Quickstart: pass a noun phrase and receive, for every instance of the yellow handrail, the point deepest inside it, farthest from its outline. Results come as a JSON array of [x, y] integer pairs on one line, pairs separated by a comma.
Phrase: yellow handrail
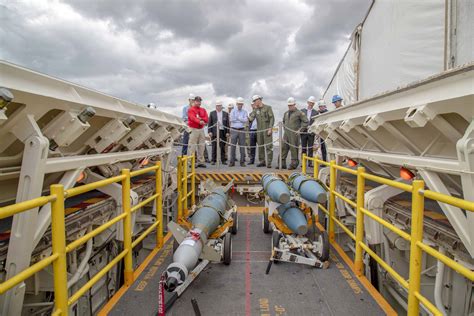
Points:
[[92, 186], [183, 177], [13, 209], [58, 232], [144, 202], [415, 237], [80, 241]]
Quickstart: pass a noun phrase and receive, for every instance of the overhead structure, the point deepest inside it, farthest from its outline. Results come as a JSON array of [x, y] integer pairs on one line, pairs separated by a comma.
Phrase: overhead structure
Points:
[[54, 131], [408, 116], [410, 53]]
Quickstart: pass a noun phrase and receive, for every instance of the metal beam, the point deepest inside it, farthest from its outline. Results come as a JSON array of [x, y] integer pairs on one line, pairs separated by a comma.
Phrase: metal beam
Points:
[[37, 90], [448, 85], [455, 215], [23, 227], [74, 162], [434, 164], [371, 138], [402, 138]]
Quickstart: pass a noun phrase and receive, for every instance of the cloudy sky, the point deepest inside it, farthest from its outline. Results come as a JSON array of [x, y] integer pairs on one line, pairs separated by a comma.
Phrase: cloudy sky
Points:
[[161, 50]]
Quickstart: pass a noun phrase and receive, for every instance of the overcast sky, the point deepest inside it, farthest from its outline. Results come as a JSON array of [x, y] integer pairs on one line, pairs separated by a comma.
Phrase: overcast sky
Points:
[[160, 51]]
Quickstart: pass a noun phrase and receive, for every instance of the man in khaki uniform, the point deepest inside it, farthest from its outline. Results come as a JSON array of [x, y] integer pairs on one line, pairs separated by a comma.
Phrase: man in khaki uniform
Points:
[[264, 115], [293, 120]]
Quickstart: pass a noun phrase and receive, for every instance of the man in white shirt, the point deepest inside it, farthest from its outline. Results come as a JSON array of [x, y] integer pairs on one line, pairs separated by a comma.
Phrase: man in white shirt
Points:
[[238, 119]]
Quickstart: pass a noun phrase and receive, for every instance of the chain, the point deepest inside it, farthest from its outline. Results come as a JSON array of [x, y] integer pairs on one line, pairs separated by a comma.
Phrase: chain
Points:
[[248, 146], [252, 131]]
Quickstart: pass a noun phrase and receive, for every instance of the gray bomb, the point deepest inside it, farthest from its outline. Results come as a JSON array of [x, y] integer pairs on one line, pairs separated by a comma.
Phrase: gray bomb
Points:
[[275, 188], [204, 222], [308, 188]]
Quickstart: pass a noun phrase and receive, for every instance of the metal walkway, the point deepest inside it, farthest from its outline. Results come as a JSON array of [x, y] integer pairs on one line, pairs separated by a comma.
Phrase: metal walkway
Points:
[[243, 288]]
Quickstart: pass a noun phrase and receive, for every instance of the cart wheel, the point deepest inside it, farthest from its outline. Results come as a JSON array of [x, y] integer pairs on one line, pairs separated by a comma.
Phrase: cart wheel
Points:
[[324, 240], [265, 223], [227, 248], [175, 245], [235, 225]]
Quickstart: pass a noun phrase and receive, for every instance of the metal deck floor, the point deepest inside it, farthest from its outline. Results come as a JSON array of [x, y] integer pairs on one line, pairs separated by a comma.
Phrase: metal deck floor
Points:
[[243, 288]]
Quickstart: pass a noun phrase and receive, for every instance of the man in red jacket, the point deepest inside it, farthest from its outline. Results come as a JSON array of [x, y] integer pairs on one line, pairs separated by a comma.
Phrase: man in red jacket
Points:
[[197, 119]]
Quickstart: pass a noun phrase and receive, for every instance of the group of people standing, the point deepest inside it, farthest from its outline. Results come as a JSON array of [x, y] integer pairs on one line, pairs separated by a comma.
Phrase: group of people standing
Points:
[[236, 128]]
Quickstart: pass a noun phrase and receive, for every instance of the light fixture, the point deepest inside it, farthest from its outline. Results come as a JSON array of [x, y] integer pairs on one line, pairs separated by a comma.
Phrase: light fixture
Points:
[[81, 177], [145, 161], [406, 174], [351, 163]]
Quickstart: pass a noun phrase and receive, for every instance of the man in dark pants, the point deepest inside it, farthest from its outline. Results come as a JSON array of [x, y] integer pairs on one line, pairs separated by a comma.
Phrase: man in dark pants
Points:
[[307, 139], [253, 139], [322, 109], [222, 118], [184, 150]]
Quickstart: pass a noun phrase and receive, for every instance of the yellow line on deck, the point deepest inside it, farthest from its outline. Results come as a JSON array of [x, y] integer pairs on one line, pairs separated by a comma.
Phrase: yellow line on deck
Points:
[[118, 295]]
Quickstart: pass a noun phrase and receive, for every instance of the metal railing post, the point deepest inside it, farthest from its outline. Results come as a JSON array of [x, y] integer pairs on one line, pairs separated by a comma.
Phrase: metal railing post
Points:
[[185, 187], [280, 142], [58, 234], [303, 166], [159, 205], [127, 228], [332, 199], [315, 168], [416, 253], [180, 189], [218, 145], [358, 262], [193, 179]]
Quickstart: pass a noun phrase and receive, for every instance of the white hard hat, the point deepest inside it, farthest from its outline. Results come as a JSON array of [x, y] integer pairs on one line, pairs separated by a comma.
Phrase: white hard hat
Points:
[[191, 96], [291, 101], [321, 102], [256, 97], [312, 99], [240, 100], [218, 102]]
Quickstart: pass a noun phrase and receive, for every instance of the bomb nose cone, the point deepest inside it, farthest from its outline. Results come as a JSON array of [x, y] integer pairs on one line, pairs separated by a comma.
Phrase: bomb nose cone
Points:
[[284, 198], [294, 218], [276, 189], [171, 284]]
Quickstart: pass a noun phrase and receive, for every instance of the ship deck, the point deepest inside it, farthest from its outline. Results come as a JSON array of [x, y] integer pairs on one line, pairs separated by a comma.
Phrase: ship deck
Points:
[[243, 288]]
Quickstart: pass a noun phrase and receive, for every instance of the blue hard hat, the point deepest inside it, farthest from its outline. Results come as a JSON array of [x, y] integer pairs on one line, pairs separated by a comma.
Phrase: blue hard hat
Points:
[[336, 98]]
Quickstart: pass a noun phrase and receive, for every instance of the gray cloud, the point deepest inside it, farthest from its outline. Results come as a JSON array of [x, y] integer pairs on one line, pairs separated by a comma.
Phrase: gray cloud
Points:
[[160, 51]]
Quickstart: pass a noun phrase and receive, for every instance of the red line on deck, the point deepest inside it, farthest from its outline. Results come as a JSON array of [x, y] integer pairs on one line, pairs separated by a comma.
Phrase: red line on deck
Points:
[[247, 269]]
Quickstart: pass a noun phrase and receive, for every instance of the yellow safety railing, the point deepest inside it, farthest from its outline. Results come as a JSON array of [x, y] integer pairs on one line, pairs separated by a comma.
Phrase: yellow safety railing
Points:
[[415, 237], [183, 176], [60, 249]]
